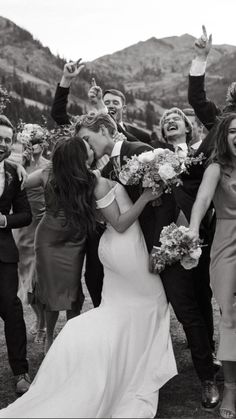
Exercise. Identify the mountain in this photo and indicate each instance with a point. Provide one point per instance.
(152, 73)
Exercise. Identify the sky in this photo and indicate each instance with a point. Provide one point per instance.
(89, 29)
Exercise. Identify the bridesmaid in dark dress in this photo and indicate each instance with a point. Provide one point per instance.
(61, 234)
(219, 184)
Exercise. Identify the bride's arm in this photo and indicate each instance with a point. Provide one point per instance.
(204, 197)
(106, 202)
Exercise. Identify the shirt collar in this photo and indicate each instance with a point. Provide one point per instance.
(116, 149)
(195, 146)
(183, 146)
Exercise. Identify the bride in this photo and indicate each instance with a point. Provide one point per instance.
(109, 362)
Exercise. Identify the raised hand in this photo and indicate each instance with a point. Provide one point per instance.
(203, 44)
(95, 98)
(72, 69)
(70, 72)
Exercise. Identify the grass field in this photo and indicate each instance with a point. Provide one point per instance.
(180, 398)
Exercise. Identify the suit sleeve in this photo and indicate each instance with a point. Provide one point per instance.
(205, 109)
(21, 212)
(59, 105)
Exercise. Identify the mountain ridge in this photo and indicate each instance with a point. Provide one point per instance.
(152, 71)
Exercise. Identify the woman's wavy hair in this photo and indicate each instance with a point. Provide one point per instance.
(95, 121)
(221, 153)
(71, 185)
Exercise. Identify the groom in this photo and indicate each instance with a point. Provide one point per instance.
(101, 140)
(14, 213)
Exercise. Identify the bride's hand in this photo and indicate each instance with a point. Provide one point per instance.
(148, 194)
(193, 234)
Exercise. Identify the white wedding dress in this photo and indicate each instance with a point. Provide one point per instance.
(111, 361)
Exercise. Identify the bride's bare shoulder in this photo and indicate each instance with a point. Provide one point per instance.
(103, 186)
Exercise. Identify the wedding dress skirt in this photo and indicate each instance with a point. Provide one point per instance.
(111, 361)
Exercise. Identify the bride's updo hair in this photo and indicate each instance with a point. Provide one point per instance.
(95, 121)
(71, 185)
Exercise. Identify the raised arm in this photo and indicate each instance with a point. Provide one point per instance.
(205, 195)
(106, 203)
(59, 107)
(205, 109)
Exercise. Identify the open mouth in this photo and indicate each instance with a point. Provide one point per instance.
(172, 127)
(112, 112)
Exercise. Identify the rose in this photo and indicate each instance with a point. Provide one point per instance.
(196, 253)
(23, 137)
(188, 263)
(134, 167)
(159, 151)
(166, 171)
(146, 157)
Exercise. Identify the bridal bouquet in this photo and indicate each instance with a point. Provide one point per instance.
(157, 168)
(176, 246)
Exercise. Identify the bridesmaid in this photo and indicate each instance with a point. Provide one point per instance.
(24, 237)
(219, 184)
(60, 236)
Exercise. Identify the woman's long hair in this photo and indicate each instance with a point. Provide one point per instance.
(221, 153)
(71, 185)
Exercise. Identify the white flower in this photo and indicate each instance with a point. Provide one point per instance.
(134, 167)
(23, 137)
(146, 157)
(124, 177)
(188, 263)
(159, 151)
(166, 171)
(196, 253)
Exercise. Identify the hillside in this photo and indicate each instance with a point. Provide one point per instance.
(152, 73)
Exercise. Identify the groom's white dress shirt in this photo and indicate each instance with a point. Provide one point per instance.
(115, 154)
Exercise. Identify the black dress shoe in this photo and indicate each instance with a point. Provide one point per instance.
(210, 395)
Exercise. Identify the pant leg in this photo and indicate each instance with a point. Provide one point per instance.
(179, 286)
(94, 268)
(12, 313)
(204, 293)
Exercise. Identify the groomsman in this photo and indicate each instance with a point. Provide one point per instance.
(14, 213)
(113, 99)
(189, 291)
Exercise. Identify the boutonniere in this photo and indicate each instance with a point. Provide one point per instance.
(9, 177)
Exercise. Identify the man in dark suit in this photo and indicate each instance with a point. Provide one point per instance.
(113, 99)
(206, 110)
(14, 213)
(188, 290)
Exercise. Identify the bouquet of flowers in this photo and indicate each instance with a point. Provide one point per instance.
(176, 246)
(157, 168)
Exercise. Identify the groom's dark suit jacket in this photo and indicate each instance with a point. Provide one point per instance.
(14, 204)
